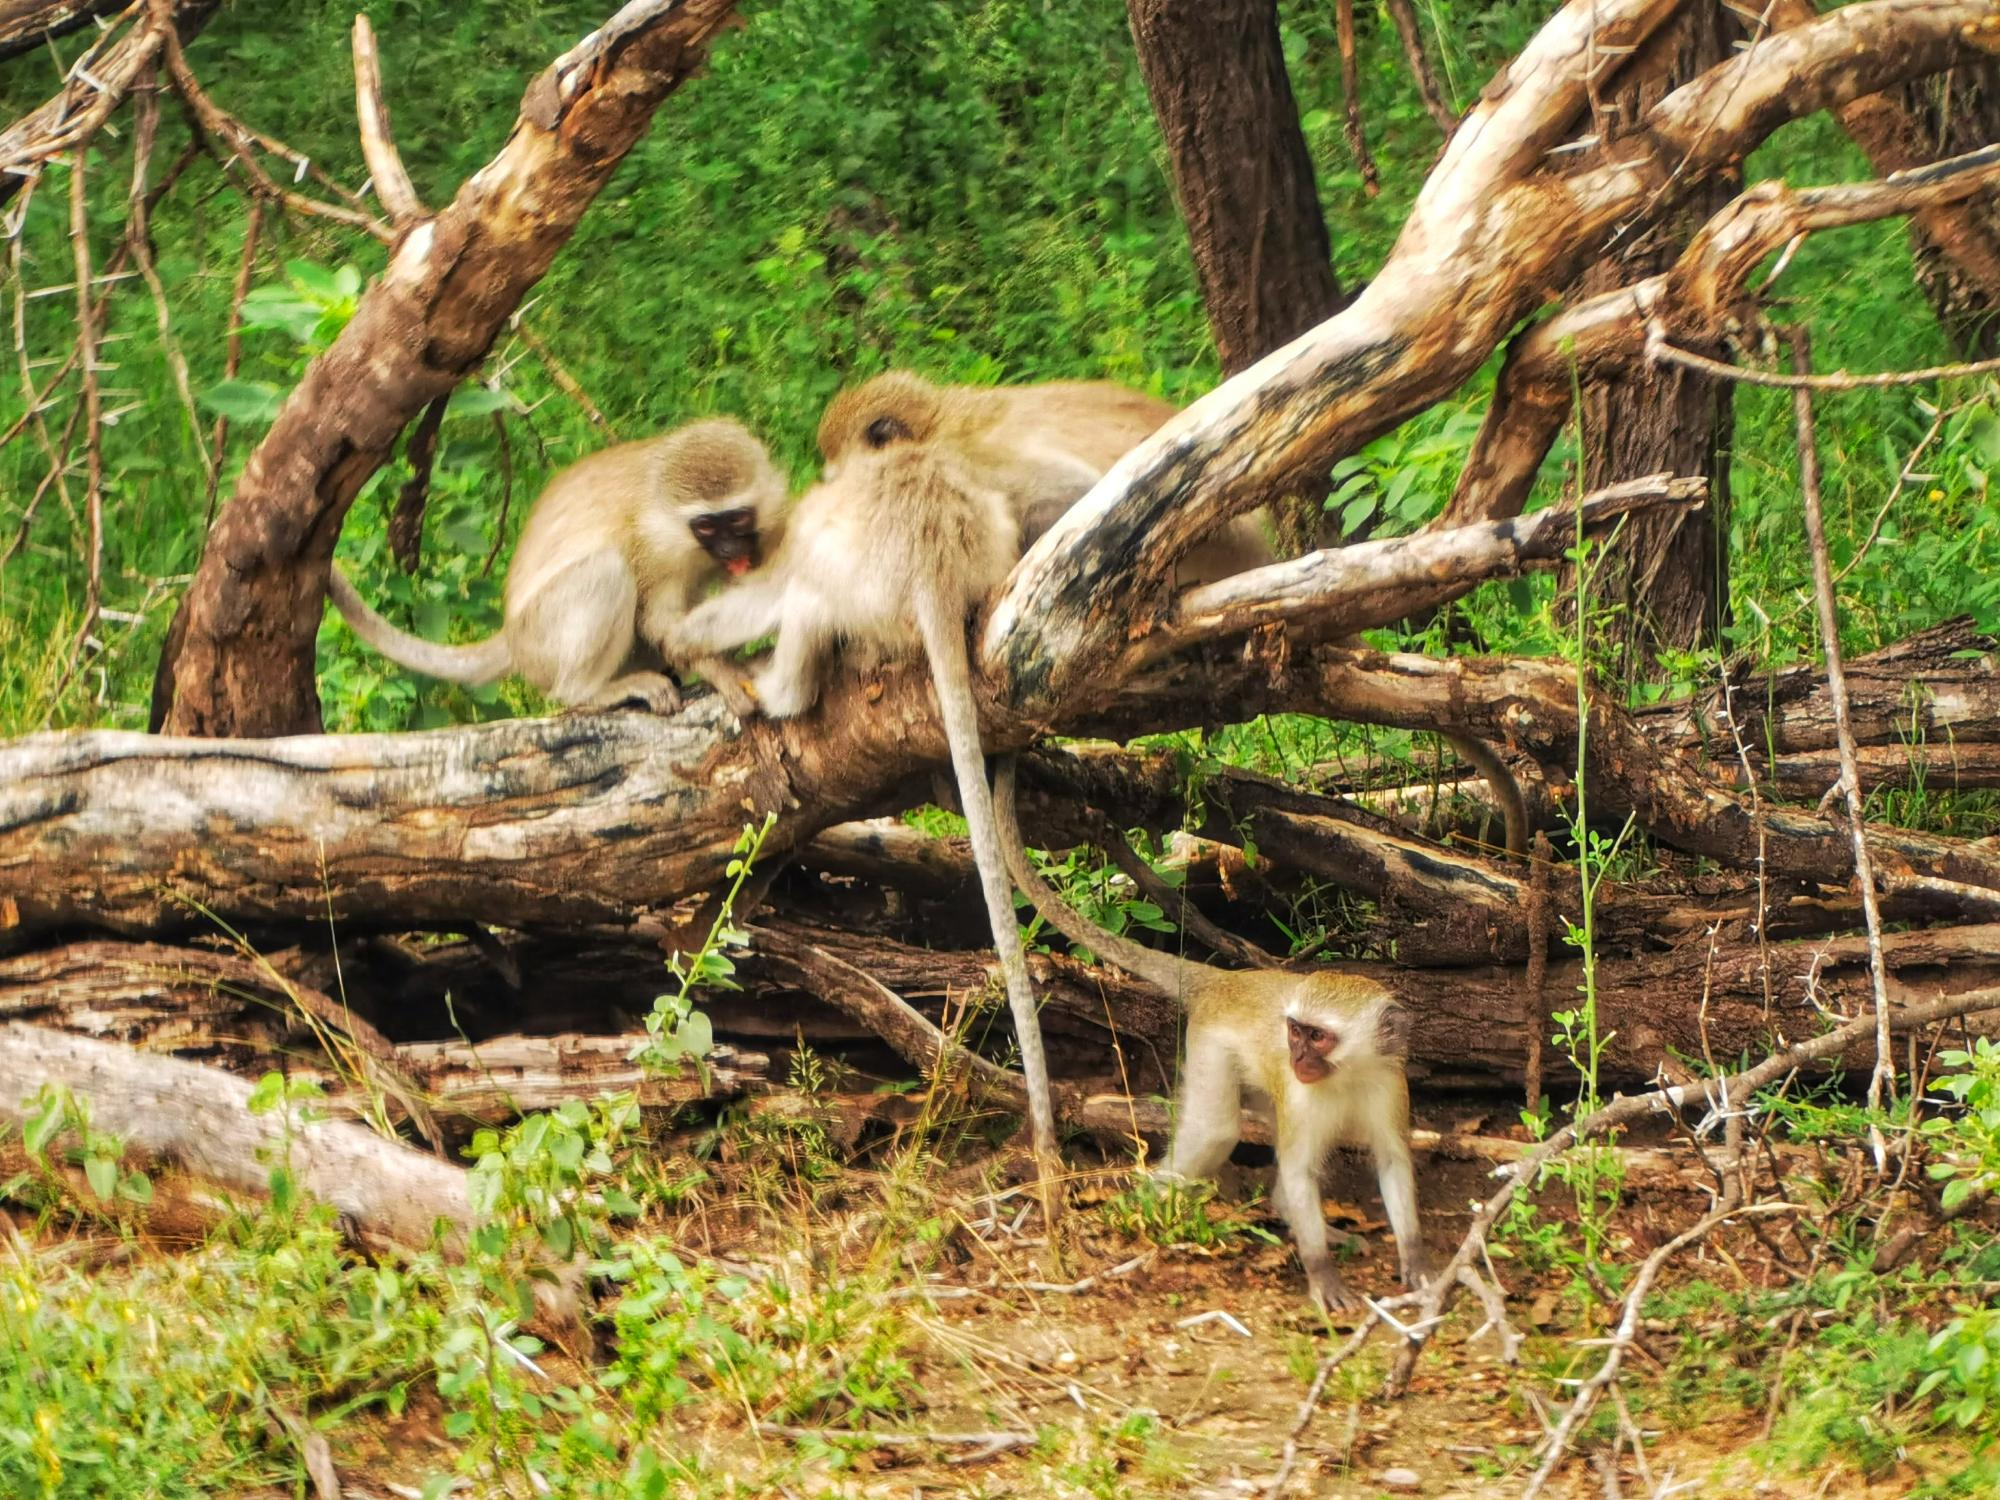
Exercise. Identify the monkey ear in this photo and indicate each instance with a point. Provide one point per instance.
(885, 430)
(1392, 1029)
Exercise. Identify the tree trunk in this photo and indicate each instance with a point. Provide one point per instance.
(1669, 573)
(239, 656)
(1215, 71)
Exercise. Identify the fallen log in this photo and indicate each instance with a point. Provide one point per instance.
(177, 1114)
(504, 1077)
(1932, 690)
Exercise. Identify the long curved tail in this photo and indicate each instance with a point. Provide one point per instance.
(942, 626)
(1177, 977)
(1500, 782)
(474, 663)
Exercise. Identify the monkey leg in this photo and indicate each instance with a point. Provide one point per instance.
(789, 681)
(1397, 1178)
(1295, 1195)
(575, 632)
(1211, 1105)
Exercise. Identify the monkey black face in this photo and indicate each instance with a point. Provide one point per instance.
(1312, 1049)
(883, 431)
(730, 537)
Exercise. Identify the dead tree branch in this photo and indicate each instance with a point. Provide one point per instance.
(1474, 257)
(240, 653)
(1882, 1078)
(378, 144)
(1427, 1307)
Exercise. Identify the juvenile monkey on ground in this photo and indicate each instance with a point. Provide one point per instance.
(1323, 1051)
(618, 548)
(1042, 446)
(887, 557)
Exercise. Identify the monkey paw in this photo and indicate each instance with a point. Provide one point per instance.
(649, 692)
(1329, 1289)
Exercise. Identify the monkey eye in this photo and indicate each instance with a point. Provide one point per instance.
(883, 431)
(702, 526)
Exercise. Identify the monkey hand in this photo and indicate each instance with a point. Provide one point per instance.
(1329, 1288)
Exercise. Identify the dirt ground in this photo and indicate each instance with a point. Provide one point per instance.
(1180, 1372)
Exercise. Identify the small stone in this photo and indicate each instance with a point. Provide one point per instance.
(1400, 1479)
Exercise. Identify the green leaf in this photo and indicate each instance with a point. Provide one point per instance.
(243, 400)
(101, 1172)
(266, 1095)
(477, 401)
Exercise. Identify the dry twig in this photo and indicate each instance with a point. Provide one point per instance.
(1430, 1303)
(93, 424)
(1839, 380)
(1350, 86)
(378, 147)
(253, 228)
(1627, 1330)
(1882, 1079)
(139, 241)
(229, 140)
(1404, 14)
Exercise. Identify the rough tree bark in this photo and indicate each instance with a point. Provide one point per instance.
(1666, 576)
(239, 656)
(1215, 71)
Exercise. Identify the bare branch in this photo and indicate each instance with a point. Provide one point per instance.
(378, 145)
(1839, 380)
(139, 242)
(1307, 589)
(232, 361)
(230, 140)
(1491, 230)
(1350, 88)
(1404, 14)
(1882, 1080)
(93, 422)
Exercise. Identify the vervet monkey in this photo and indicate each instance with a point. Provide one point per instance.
(1324, 1052)
(617, 549)
(1042, 446)
(888, 557)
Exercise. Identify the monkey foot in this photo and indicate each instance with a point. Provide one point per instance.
(645, 692)
(1329, 1289)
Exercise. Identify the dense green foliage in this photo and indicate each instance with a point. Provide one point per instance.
(975, 188)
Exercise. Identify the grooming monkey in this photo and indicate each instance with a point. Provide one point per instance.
(1042, 446)
(1323, 1051)
(887, 557)
(618, 548)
